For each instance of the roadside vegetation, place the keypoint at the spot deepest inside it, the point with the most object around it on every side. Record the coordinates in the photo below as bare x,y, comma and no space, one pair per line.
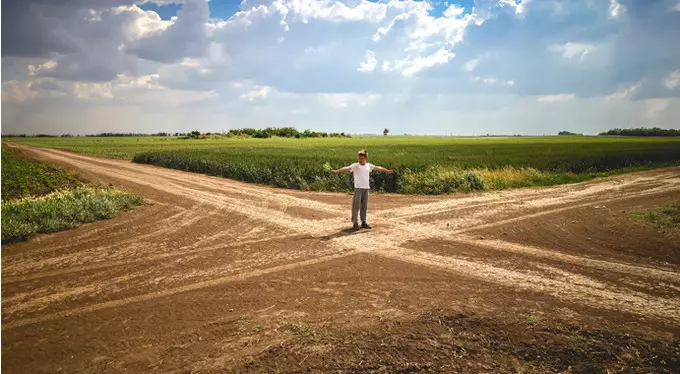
423,165
41,198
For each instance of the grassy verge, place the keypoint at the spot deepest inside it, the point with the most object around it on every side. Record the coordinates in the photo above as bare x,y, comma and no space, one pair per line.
62,210
40,198
666,219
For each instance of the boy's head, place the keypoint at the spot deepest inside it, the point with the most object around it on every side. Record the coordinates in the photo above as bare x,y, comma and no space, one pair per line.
362,156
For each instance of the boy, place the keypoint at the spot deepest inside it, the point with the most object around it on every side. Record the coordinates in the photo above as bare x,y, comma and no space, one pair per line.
361,171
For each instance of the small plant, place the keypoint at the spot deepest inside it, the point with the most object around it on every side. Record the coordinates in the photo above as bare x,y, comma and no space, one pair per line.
532,320
298,329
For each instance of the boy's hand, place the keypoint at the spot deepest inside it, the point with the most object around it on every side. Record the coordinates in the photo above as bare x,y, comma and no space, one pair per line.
388,171
335,171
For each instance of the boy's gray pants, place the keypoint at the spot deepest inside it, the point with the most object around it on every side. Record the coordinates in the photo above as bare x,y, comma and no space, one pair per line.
360,201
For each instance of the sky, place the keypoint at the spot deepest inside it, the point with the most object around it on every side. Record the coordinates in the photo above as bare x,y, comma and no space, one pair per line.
466,67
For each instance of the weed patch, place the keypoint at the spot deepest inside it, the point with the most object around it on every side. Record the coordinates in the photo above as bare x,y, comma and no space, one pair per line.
666,219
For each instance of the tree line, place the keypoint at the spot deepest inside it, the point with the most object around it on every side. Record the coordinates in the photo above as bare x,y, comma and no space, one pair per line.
284,132
642,131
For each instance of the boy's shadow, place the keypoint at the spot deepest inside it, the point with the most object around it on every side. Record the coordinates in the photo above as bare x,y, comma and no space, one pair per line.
344,232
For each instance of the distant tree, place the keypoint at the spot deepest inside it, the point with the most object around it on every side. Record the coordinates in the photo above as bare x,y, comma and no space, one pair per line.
386,131
568,133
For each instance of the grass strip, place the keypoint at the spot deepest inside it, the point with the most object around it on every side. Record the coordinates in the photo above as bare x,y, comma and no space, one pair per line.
62,210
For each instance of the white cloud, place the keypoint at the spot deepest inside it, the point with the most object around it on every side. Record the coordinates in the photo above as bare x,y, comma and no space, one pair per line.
303,59
410,66
519,5
143,81
485,80
615,9
141,23
89,91
677,7
454,10
673,80
48,65
348,100
369,64
556,98
17,91
471,64
570,50
259,93
624,93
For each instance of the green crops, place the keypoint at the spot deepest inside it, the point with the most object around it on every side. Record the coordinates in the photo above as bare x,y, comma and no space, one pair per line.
423,165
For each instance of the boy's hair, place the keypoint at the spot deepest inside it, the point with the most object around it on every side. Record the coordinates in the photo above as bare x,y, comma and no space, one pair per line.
363,152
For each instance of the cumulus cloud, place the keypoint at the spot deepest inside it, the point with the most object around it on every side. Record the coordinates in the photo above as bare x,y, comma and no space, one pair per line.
615,9
17,91
257,93
570,50
303,60
673,80
369,64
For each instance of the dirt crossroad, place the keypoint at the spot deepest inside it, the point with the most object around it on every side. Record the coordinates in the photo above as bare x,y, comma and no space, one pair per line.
217,275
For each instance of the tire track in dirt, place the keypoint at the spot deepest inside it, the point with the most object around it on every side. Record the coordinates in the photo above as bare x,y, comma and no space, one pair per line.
574,288
610,266
172,291
186,251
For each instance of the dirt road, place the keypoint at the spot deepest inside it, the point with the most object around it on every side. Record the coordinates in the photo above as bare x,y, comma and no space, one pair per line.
214,275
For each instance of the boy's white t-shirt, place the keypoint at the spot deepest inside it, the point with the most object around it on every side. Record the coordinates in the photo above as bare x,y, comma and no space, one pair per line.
361,172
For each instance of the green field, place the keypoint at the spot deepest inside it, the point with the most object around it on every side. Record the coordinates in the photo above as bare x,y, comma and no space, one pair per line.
22,177
422,164
41,198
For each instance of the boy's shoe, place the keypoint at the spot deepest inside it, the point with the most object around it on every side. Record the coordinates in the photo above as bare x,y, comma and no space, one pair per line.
356,227
365,225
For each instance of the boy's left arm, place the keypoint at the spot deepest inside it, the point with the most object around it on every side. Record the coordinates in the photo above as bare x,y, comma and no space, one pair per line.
380,168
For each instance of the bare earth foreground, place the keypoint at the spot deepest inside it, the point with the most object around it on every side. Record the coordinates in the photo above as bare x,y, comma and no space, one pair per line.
214,275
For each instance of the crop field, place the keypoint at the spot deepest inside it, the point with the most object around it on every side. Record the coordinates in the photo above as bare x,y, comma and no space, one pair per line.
423,165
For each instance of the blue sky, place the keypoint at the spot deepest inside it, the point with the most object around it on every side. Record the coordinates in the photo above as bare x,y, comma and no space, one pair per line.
459,67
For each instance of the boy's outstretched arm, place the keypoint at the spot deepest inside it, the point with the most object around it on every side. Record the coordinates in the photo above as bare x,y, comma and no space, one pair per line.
380,168
341,170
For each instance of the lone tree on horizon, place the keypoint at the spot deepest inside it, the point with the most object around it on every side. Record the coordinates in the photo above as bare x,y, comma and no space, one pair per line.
386,131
